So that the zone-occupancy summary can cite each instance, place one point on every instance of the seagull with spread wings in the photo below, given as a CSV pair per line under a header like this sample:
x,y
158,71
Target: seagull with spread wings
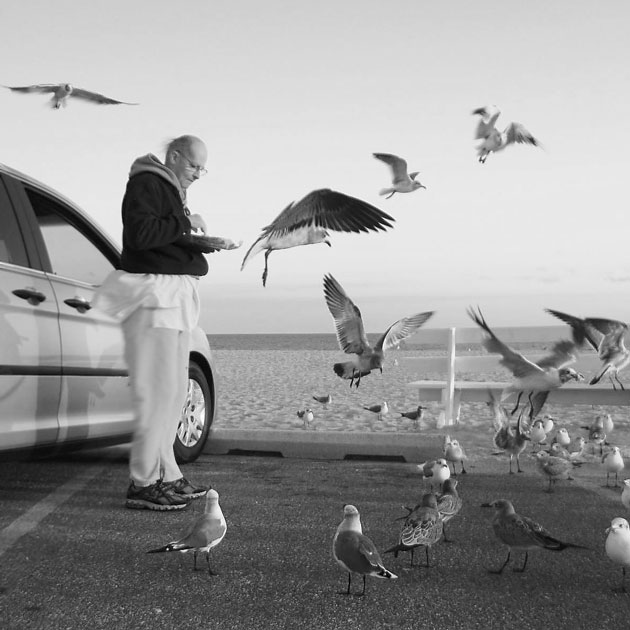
x,y
549,373
607,337
402,181
495,140
61,92
352,338
307,222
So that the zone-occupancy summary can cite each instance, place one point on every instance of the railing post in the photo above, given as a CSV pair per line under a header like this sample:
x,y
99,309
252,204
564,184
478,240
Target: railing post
x,y
447,416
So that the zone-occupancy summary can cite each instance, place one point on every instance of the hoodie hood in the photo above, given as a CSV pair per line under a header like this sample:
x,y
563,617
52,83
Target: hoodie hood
x,y
149,163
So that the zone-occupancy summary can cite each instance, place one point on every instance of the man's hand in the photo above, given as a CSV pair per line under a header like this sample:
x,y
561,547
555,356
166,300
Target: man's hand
x,y
197,222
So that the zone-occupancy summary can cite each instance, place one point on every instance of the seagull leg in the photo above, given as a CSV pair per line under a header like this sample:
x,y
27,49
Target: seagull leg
x,y
426,549
511,472
620,383
390,195
463,469
499,571
411,563
264,276
349,580
523,567
363,591
195,560
210,571
518,402
518,463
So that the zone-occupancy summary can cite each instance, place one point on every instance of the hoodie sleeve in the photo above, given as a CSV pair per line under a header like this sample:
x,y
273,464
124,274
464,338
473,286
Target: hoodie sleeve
x,y
150,217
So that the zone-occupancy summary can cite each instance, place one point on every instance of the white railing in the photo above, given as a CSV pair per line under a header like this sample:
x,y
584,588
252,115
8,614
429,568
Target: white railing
x,y
451,391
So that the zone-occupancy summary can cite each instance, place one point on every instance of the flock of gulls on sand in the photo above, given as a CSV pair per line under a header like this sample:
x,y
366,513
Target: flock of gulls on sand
x,y
309,221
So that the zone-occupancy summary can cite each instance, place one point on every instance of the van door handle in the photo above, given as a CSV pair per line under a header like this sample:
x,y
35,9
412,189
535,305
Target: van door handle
x,y
30,295
80,304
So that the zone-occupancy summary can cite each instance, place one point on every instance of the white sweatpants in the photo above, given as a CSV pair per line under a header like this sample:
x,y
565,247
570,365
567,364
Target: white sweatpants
x,y
157,359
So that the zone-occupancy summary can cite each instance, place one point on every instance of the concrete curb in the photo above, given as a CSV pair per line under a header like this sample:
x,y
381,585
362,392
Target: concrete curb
x,y
334,445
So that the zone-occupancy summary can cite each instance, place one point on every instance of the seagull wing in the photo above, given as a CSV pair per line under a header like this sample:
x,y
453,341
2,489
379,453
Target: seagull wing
x,y
512,360
204,531
582,328
41,87
94,97
330,210
397,165
607,327
348,323
563,353
489,115
402,329
515,132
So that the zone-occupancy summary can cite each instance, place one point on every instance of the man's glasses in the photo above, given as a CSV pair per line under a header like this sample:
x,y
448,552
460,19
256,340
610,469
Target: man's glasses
x,y
200,170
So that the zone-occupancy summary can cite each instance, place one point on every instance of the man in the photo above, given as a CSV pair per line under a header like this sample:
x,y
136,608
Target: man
x,y
155,295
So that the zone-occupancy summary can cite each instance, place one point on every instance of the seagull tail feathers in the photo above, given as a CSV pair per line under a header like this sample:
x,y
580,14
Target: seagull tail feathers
x,y
385,573
386,191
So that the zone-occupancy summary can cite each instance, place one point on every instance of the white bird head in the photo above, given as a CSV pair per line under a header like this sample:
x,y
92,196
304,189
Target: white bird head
x,y
568,374
618,525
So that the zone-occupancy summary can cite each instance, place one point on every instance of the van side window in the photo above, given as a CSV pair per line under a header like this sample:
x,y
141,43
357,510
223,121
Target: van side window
x,y
72,254
11,244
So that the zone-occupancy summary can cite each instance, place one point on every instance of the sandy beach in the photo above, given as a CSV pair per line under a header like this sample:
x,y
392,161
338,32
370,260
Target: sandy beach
x,y
263,389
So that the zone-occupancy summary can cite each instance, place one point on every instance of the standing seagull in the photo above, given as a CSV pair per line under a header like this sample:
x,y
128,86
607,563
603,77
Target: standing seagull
x,y
206,532
495,140
381,410
607,337
355,552
554,468
449,503
63,91
453,452
423,527
618,546
352,338
402,182
506,438
613,463
307,222
521,533
549,373
324,400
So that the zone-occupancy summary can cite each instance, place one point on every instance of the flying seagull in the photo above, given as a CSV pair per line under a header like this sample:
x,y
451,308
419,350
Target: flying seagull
x,y
549,373
307,222
206,532
607,337
402,181
61,92
352,338
495,140
355,552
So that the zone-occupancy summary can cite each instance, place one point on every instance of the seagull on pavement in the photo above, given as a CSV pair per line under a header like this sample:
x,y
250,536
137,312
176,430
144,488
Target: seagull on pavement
x,y
449,503
402,181
494,140
607,338
307,222
554,468
63,91
355,552
618,546
436,470
205,533
521,533
352,338
381,410
549,373
509,440
453,452
613,463
423,527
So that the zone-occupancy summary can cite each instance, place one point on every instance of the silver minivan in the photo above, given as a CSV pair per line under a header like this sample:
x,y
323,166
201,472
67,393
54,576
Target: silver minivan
x,y
63,379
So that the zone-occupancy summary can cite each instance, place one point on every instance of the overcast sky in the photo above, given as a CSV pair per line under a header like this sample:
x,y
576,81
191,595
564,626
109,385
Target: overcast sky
x,y
291,96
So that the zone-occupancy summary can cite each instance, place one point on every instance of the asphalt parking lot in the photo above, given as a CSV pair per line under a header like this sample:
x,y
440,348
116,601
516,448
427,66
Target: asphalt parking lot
x,y
73,557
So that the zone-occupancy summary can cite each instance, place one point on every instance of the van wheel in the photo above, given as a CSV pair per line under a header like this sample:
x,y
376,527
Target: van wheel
x,y
194,425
